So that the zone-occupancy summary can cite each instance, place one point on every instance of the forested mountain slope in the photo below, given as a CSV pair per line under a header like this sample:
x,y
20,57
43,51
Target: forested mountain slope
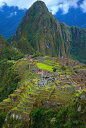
x,y
42,33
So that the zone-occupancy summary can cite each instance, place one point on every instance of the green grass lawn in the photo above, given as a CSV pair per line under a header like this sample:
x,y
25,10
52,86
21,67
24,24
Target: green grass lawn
x,y
45,67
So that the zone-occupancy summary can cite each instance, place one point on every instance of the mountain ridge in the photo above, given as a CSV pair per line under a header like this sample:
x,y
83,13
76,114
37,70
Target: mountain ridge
x,y
14,15
45,35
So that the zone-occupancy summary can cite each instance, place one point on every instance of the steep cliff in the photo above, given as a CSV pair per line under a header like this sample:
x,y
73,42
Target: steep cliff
x,y
41,32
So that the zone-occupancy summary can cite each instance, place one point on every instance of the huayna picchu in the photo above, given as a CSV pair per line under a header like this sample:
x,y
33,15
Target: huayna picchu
x,y
42,33
42,82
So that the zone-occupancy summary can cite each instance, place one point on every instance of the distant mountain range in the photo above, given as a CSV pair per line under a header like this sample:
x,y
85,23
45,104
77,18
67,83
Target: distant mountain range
x,y
10,17
75,17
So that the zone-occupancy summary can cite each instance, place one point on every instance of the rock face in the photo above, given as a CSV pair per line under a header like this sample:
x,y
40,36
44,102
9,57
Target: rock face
x,y
2,45
47,36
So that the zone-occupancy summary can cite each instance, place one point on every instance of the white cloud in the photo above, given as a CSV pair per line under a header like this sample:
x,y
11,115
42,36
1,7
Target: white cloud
x,y
53,5
83,6
12,14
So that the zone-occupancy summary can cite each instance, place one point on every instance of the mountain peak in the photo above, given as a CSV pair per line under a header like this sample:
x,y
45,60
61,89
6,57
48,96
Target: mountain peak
x,y
42,33
39,2
38,6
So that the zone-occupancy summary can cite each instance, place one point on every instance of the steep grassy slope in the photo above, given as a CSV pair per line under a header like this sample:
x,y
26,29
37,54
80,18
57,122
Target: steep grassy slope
x,y
42,33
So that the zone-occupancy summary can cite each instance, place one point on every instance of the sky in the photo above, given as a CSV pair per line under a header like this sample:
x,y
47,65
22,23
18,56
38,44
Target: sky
x,y
53,5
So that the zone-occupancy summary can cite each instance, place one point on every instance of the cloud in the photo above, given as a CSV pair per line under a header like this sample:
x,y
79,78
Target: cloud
x,y
12,14
64,5
53,5
83,6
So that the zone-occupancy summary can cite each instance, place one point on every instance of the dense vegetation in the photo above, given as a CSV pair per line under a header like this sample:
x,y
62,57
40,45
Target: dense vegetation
x,y
8,79
9,52
63,117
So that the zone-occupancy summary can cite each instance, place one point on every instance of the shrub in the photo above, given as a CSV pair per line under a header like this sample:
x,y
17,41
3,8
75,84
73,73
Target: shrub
x,y
11,53
2,118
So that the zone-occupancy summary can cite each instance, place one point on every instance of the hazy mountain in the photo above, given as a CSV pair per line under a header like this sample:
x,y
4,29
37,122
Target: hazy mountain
x,y
10,17
74,17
